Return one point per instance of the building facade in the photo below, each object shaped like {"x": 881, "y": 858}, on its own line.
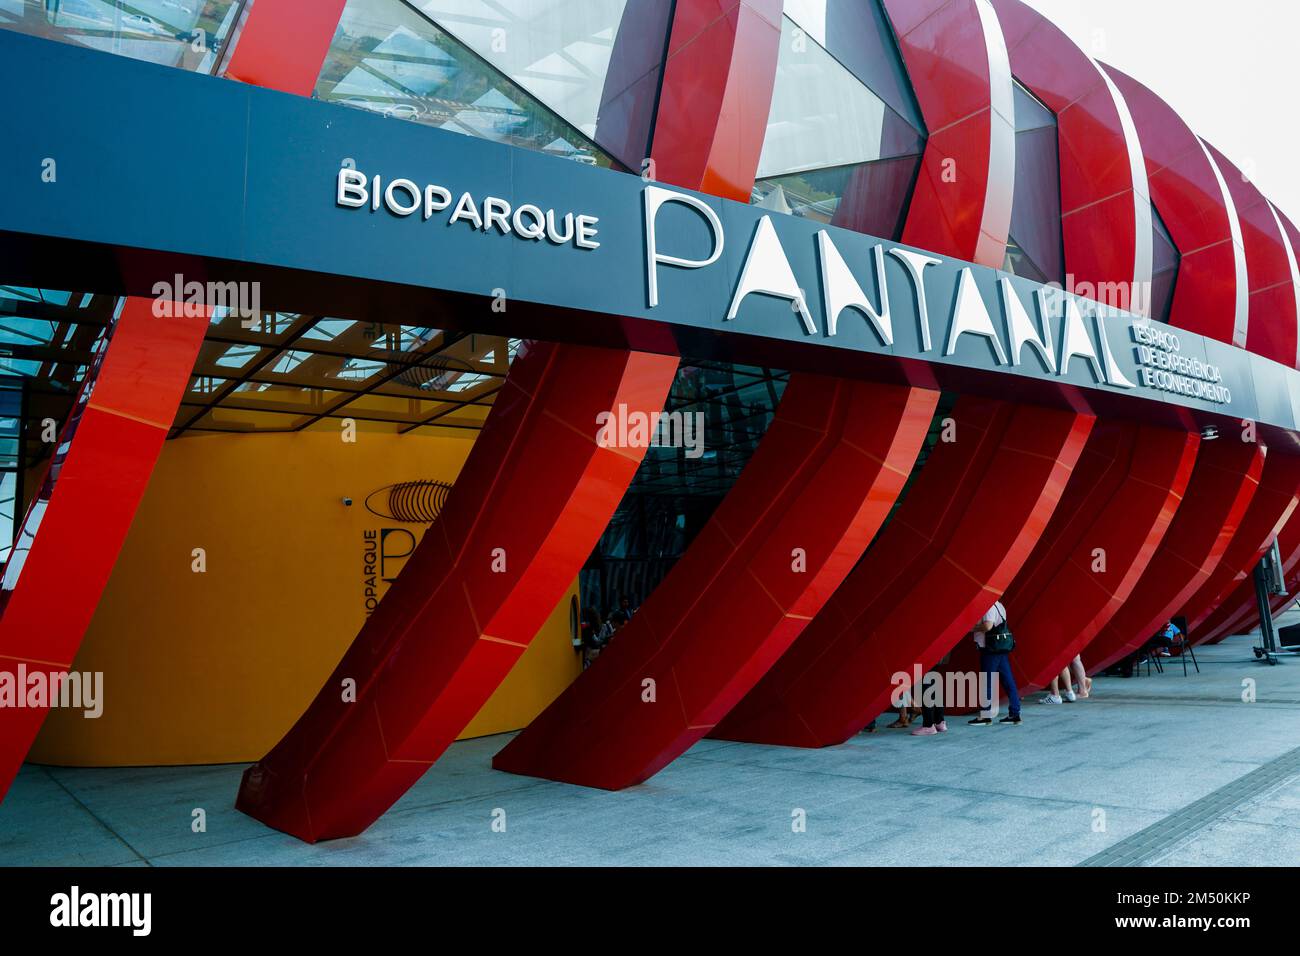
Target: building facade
{"x": 812, "y": 327}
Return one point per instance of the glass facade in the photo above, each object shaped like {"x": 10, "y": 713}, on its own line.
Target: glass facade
{"x": 392, "y": 60}
{"x": 577, "y": 79}
{"x": 675, "y": 491}
{"x": 1035, "y": 247}
{"x": 190, "y": 34}
{"x": 836, "y": 150}
{"x": 289, "y": 372}
{"x": 843, "y": 146}
{"x": 595, "y": 63}
{"x": 11, "y": 462}
{"x": 1164, "y": 268}
{"x": 858, "y": 34}
{"x": 48, "y": 341}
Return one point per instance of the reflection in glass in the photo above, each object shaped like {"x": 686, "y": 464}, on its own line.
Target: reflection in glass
{"x": 190, "y": 34}
{"x": 1164, "y": 273}
{"x": 390, "y": 376}
{"x": 859, "y": 35}
{"x": 596, "y": 63}
{"x": 673, "y": 495}
{"x": 11, "y": 462}
{"x": 834, "y": 150}
{"x": 389, "y": 59}
{"x": 1035, "y": 248}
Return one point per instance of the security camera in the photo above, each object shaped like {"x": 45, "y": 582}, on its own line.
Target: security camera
{"x": 347, "y": 502}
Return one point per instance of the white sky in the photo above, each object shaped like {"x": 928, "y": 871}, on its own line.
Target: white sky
{"x": 1229, "y": 67}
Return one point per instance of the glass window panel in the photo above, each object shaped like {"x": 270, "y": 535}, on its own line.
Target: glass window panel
{"x": 265, "y": 327}
{"x": 287, "y": 362}
{"x": 19, "y": 331}
{"x": 232, "y": 356}
{"x": 326, "y": 330}
{"x": 1018, "y": 263}
{"x": 1031, "y": 113}
{"x": 1165, "y": 251}
{"x": 391, "y": 60}
{"x": 183, "y": 33}
{"x": 401, "y": 338}
{"x": 869, "y": 197}
{"x": 319, "y": 370}
{"x": 442, "y": 374}
{"x": 1036, "y": 207}
{"x": 858, "y": 34}
{"x": 822, "y": 115}
{"x": 25, "y": 367}
{"x": 1166, "y": 259}
{"x": 206, "y": 384}
{"x": 358, "y": 370}
{"x": 8, "y": 510}
{"x": 596, "y": 63}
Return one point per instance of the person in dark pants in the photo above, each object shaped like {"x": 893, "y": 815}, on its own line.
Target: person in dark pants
{"x": 999, "y": 663}
{"x": 931, "y": 697}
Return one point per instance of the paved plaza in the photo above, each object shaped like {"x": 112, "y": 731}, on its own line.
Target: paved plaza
{"x": 1159, "y": 769}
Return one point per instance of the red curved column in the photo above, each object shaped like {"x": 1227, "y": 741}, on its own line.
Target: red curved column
{"x": 1055, "y": 623}
{"x": 957, "y": 62}
{"x": 1291, "y": 248}
{"x": 530, "y": 503}
{"x": 1246, "y": 618}
{"x": 817, "y": 489}
{"x": 77, "y": 522}
{"x": 709, "y": 132}
{"x": 1192, "y": 202}
{"x": 716, "y": 95}
{"x": 1271, "y": 330}
{"x": 1238, "y": 613}
{"x": 115, "y": 434}
{"x": 965, "y": 528}
{"x": 1220, "y": 491}
{"x": 1119, "y": 503}
{"x": 1271, "y": 508}
{"x": 1105, "y": 199}
{"x": 1233, "y": 610}
{"x": 1096, "y": 479}
{"x": 1235, "y": 615}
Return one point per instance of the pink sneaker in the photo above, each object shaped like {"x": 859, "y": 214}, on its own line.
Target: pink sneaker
{"x": 942, "y": 726}
{"x": 924, "y": 732}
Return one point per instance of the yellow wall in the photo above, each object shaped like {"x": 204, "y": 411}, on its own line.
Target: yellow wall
{"x": 214, "y": 667}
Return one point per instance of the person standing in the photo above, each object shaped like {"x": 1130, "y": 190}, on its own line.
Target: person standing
{"x": 1062, "y": 687}
{"x": 993, "y": 638}
{"x": 931, "y": 694}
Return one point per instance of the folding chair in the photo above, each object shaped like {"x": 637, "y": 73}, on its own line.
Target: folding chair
{"x": 1144, "y": 656}
{"x": 1184, "y": 651}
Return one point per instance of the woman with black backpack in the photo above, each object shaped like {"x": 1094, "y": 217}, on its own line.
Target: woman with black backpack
{"x": 994, "y": 640}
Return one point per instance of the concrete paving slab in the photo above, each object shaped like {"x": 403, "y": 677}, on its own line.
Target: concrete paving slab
{"x": 1072, "y": 782}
